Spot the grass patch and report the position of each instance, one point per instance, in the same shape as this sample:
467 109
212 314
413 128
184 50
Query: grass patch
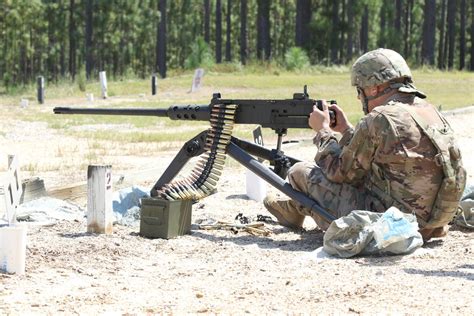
135 137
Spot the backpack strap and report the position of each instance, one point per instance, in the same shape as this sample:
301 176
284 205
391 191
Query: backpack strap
443 157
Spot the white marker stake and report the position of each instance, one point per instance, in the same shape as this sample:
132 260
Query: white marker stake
103 84
99 199
197 80
11 189
13 249
256 187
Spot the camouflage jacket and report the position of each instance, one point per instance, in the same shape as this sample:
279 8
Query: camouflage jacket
388 157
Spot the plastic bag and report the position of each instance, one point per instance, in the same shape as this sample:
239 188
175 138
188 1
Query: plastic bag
396 232
369 233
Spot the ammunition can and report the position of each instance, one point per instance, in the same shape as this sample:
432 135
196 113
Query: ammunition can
161 218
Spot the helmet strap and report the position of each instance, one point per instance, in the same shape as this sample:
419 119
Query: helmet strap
365 100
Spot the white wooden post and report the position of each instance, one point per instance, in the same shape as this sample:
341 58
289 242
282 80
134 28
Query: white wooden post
99 199
11 189
197 79
103 84
256 187
13 249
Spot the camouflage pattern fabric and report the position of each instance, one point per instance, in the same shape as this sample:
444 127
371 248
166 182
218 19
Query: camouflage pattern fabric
377 67
383 65
385 161
339 199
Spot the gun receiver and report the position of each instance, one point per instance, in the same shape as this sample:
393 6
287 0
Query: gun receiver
214 144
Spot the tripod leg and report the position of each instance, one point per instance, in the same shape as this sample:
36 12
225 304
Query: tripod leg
192 148
266 174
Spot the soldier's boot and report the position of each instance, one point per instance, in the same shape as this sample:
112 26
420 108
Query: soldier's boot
438 232
285 210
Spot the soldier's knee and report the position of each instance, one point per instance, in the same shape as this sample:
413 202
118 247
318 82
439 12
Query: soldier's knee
298 175
300 169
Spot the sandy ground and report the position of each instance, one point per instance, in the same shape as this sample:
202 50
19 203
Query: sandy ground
69 271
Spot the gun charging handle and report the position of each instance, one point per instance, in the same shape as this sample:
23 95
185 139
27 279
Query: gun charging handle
332 113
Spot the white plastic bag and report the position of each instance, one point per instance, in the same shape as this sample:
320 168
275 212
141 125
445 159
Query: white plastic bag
369 233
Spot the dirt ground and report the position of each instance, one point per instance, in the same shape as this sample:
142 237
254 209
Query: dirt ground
69 271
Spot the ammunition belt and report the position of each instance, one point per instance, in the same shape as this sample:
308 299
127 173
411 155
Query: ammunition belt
204 176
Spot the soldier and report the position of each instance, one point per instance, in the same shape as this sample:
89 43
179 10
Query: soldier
402 153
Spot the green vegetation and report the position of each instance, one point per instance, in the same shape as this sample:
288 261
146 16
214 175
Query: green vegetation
75 40
296 58
200 56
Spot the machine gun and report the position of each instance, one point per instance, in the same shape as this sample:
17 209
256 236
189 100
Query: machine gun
214 144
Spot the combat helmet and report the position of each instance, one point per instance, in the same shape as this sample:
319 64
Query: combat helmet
380 66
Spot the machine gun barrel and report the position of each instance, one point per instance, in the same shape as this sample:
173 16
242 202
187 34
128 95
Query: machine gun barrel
175 112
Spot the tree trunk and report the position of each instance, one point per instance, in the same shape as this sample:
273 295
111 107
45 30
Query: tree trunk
398 24
364 30
429 25
417 36
441 55
263 29
343 29
350 22
383 25
62 59
243 32
303 18
72 41
334 31
287 25
161 40
462 37
406 40
218 32
398 15
451 31
207 19
228 45
89 30
50 60
471 67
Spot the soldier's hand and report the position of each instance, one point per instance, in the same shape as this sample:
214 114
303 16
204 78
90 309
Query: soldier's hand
319 119
342 123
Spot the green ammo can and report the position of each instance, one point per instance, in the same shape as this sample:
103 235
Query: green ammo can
165 219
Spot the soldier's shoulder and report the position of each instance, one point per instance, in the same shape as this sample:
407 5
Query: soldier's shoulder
390 107
383 111
388 116
393 109
379 118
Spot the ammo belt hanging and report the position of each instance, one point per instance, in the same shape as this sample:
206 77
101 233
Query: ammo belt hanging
203 178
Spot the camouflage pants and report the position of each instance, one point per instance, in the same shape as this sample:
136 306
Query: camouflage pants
339 199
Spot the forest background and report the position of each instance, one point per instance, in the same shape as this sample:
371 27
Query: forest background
75 39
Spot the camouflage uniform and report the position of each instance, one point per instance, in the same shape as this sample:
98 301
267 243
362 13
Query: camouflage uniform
386 160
